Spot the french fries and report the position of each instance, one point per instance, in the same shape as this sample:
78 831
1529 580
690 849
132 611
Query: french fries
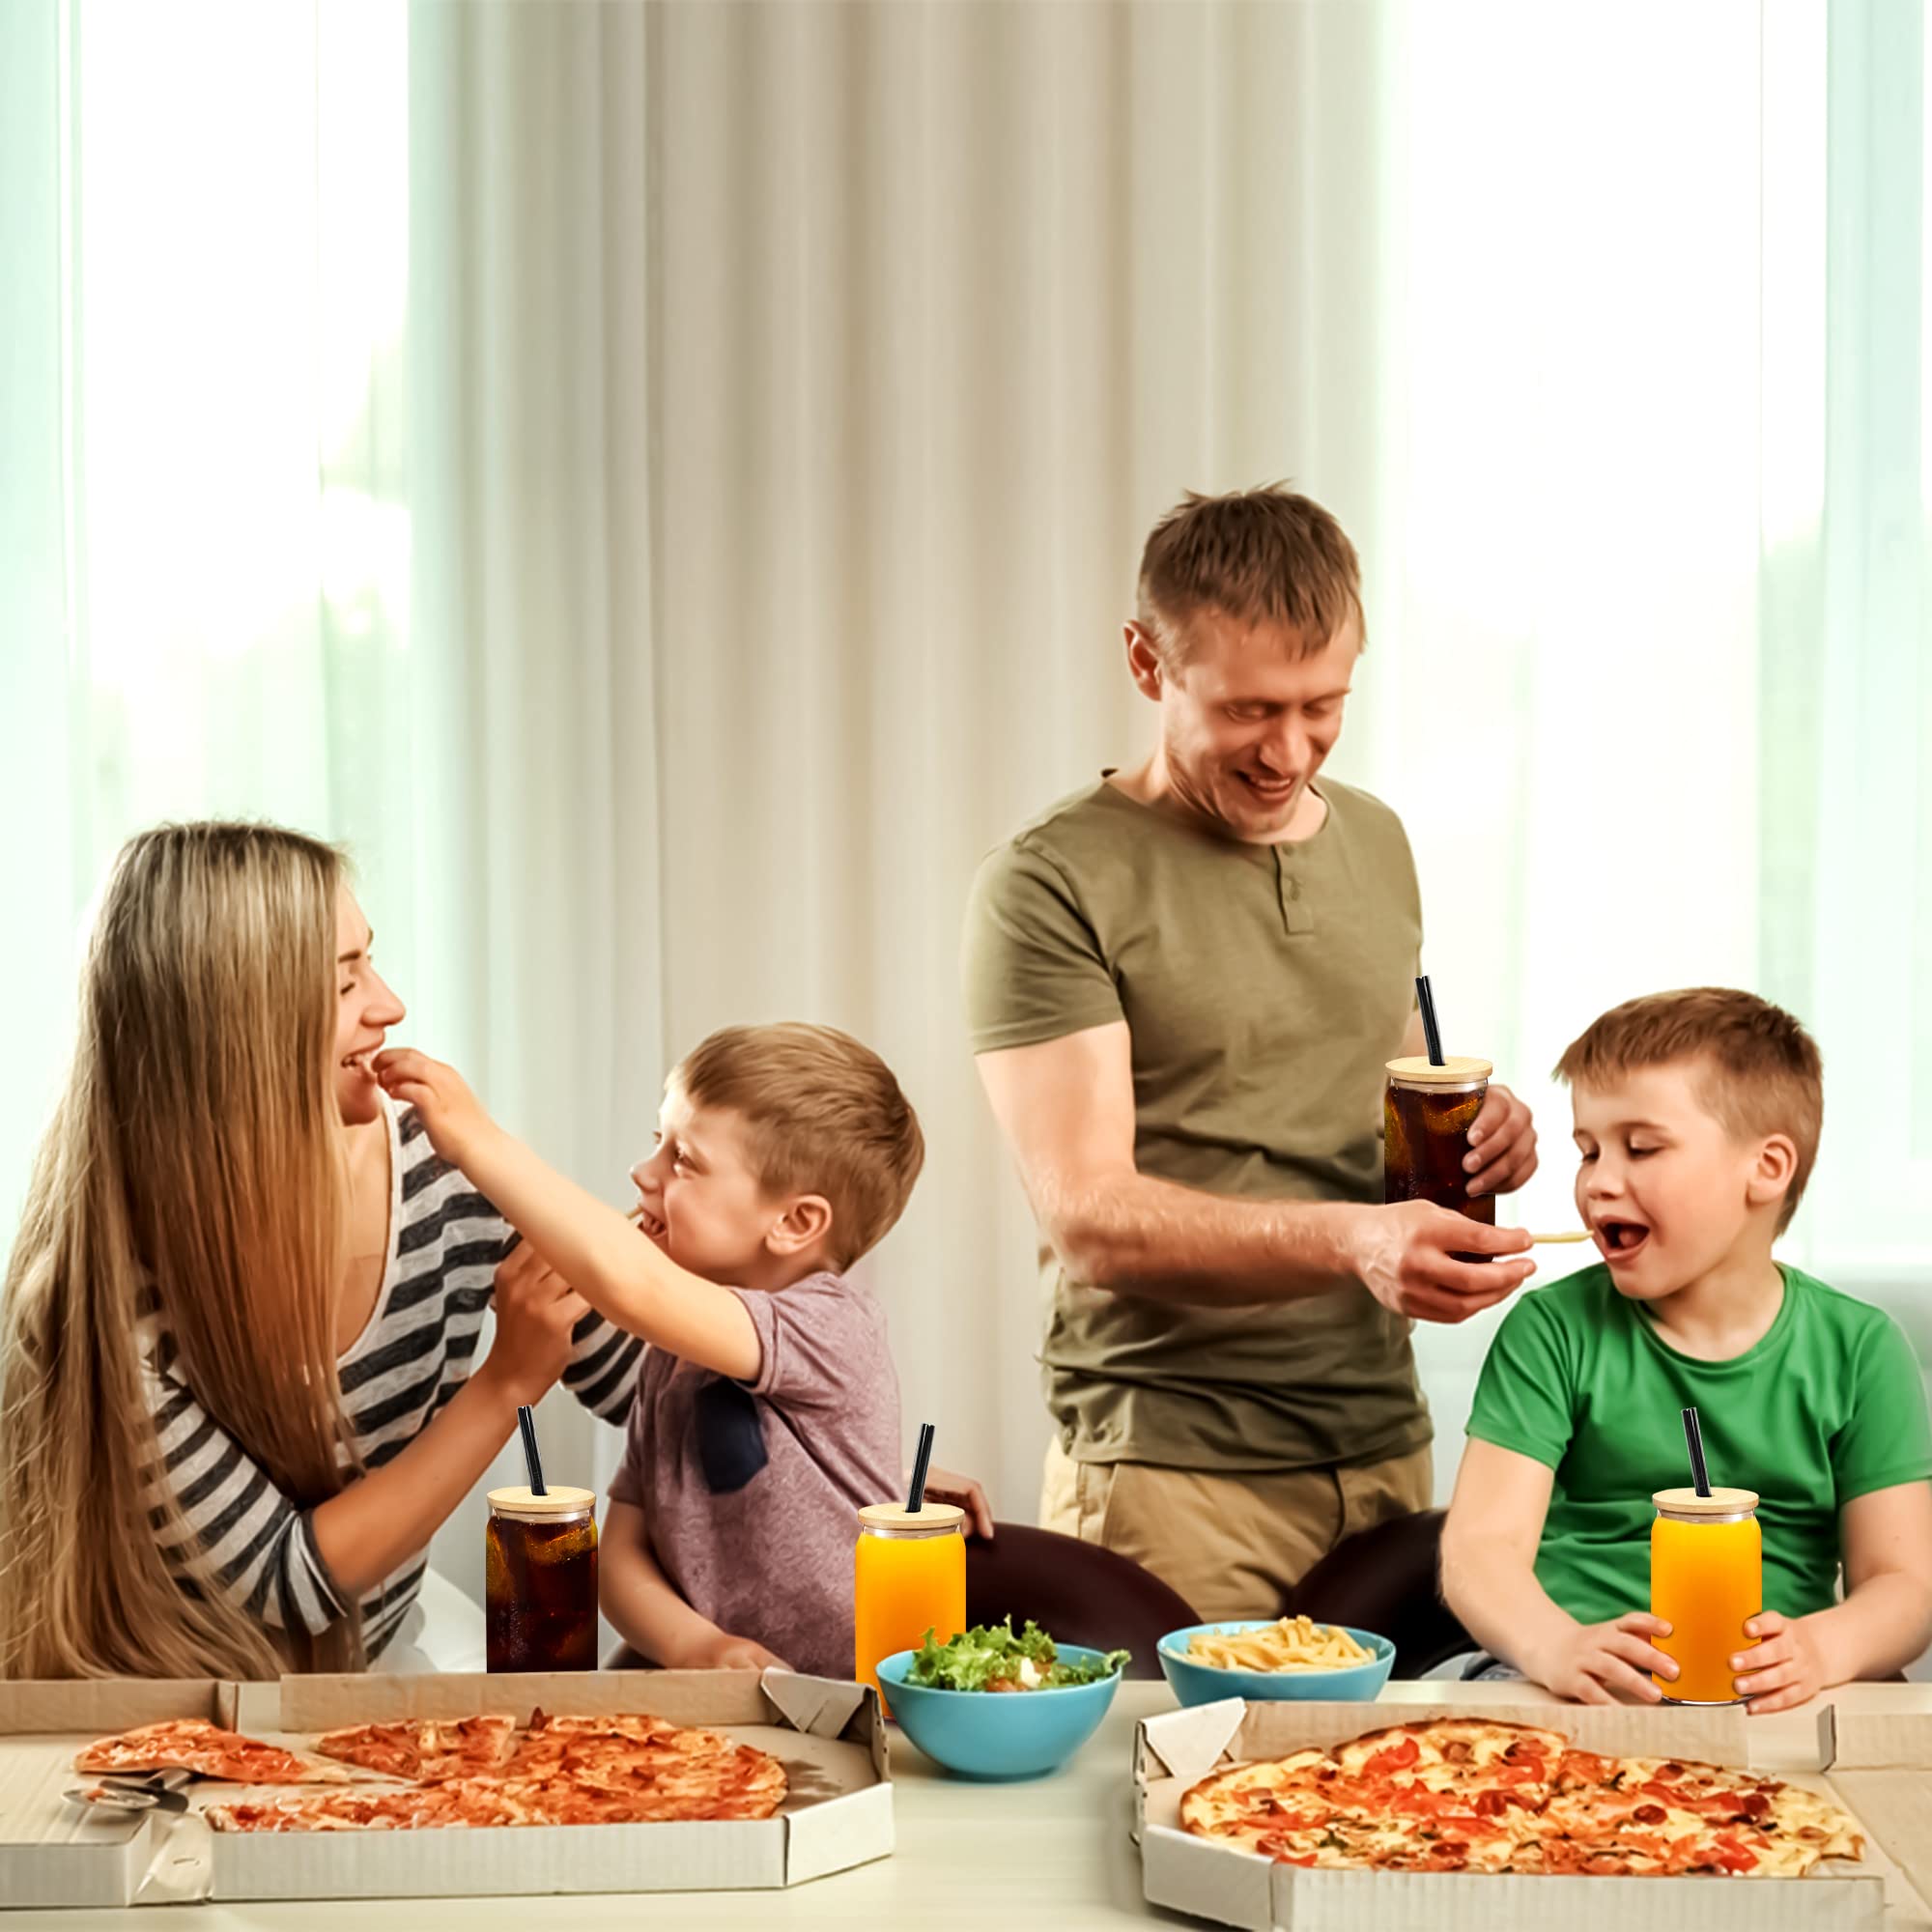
1295 1643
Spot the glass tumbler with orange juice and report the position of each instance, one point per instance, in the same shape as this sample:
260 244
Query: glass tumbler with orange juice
909 1576
1706 1579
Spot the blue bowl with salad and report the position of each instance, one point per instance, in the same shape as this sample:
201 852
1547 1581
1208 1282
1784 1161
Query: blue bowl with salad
993 1705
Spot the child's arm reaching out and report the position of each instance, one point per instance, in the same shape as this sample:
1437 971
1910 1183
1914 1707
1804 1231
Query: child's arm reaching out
619 1270
1883 1623
1489 1579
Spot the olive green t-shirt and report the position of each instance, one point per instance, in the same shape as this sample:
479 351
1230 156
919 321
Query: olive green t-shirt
1263 986
1825 1406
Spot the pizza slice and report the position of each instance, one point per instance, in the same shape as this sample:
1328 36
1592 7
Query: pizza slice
1305 1810
1801 1819
399 1811
676 1762
425 1749
549 1746
1445 1752
1453 1838
193 1743
1282 1808
1674 1815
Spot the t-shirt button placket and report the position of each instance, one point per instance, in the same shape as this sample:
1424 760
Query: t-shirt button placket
1295 917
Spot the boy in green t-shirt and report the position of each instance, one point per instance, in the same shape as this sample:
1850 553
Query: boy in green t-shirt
1696 1120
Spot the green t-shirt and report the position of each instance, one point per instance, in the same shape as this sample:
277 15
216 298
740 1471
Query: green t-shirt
1263 987
1828 1406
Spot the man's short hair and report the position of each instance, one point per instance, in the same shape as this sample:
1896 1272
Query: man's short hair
1263 555
822 1114
1760 1072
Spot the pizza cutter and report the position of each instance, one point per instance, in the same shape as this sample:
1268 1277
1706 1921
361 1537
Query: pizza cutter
158 1791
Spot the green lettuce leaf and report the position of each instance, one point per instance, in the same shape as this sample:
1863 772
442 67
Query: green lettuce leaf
990 1656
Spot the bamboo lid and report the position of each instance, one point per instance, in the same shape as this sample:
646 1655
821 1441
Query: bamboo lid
1457 1070
895 1515
523 1500
1720 1502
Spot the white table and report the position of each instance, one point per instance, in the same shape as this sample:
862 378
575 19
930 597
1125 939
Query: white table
1053 1854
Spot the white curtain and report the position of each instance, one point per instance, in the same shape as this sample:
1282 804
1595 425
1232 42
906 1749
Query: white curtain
327 506
948 304
1563 693
664 482
1659 681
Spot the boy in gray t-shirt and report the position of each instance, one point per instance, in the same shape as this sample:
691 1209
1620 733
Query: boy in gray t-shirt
767 1411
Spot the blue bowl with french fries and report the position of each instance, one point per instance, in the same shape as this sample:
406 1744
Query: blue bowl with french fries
1275 1659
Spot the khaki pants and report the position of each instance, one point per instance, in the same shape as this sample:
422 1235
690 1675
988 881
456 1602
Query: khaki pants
1233 1546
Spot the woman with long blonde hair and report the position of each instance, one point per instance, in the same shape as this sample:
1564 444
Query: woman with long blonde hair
242 1312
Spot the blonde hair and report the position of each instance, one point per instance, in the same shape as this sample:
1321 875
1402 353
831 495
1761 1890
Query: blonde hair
1263 555
822 1115
194 1160
1760 1071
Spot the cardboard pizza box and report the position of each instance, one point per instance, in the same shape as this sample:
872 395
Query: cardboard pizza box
53 1853
1877 1768
829 1735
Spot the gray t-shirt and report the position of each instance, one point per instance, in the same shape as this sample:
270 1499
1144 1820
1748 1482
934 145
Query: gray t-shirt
751 1489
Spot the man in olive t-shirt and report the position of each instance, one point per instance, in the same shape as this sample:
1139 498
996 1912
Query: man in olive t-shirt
1183 983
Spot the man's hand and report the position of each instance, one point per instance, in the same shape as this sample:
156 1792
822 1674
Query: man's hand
722 1651
1402 1255
946 1485
1502 1145
1783 1668
451 1113
536 1311
1604 1663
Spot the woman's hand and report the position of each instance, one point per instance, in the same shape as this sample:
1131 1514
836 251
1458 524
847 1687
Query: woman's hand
536 1309
1783 1667
945 1486
451 1112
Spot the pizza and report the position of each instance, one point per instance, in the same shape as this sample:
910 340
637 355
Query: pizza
1464 1794
424 1750
623 1770
646 1768
193 1743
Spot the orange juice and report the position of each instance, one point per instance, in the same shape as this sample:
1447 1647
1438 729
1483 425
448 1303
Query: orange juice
1706 1577
909 1576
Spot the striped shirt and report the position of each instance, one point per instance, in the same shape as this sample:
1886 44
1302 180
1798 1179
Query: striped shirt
420 1346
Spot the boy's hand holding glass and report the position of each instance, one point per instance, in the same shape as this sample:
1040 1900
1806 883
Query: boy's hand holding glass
1784 1668
1604 1663
451 1113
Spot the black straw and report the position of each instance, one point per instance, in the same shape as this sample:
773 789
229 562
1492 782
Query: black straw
1426 1000
528 1423
1694 1441
916 1501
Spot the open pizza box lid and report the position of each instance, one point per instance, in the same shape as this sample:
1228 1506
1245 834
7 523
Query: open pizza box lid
1234 1887
829 1735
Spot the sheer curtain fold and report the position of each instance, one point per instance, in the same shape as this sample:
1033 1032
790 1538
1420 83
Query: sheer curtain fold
946 317
42 752
533 698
